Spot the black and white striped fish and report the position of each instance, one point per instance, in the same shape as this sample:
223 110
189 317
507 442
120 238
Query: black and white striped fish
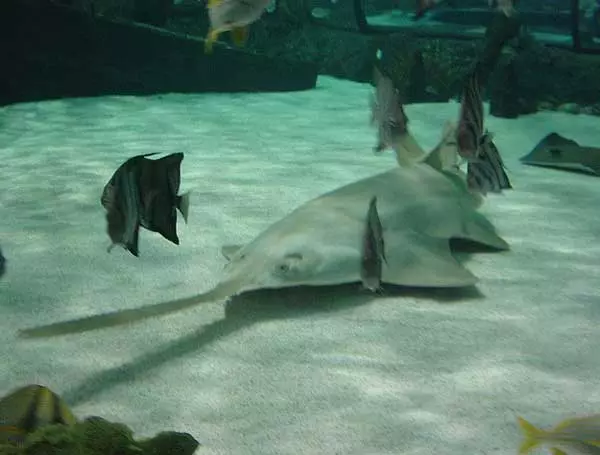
486 174
143 192
373 249
387 112
470 131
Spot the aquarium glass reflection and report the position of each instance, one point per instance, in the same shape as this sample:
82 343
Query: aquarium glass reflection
551 22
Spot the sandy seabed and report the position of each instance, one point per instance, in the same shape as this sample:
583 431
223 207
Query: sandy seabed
344 372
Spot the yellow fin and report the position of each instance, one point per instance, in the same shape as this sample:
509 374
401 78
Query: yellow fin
555 451
209 41
213 3
239 36
44 405
531 436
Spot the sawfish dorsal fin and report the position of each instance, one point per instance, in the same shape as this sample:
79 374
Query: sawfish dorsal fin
445 155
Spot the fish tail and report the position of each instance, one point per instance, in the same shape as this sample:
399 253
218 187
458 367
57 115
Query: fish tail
422 6
532 436
183 204
239 36
209 41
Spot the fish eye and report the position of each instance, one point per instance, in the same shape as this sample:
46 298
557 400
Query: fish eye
284 268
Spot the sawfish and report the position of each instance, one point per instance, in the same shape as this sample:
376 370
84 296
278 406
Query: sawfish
421 206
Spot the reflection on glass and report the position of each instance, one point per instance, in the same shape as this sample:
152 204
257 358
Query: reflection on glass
550 21
589 24
334 13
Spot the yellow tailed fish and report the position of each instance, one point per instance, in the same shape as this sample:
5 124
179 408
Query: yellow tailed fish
577 436
232 16
28 408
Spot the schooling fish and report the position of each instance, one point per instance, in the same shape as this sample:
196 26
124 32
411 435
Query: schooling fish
373 249
577 436
486 172
232 16
28 408
143 192
387 112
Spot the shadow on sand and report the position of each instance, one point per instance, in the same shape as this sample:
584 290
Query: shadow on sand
253 308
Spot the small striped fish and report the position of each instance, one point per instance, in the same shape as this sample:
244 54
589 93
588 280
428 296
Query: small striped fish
486 173
470 126
373 249
387 112
143 193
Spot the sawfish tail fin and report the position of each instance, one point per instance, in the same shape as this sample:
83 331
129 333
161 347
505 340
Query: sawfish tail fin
122 317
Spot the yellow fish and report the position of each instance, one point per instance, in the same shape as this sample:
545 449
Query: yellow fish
577 436
232 16
29 408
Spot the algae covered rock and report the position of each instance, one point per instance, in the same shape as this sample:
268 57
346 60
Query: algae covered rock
97 436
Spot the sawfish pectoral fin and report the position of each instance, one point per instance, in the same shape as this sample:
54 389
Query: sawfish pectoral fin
480 230
123 317
424 262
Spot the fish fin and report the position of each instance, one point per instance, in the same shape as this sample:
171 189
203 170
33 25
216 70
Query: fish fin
555 451
169 231
531 436
374 108
213 3
210 40
229 250
445 154
380 147
132 245
431 263
172 167
183 204
408 151
239 35
65 415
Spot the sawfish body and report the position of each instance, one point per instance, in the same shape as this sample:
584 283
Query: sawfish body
421 208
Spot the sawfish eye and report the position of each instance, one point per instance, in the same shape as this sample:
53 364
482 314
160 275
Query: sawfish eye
290 262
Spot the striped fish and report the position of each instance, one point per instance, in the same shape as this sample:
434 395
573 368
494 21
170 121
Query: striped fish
28 408
121 198
143 192
373 249
486 173
387 112
470 126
